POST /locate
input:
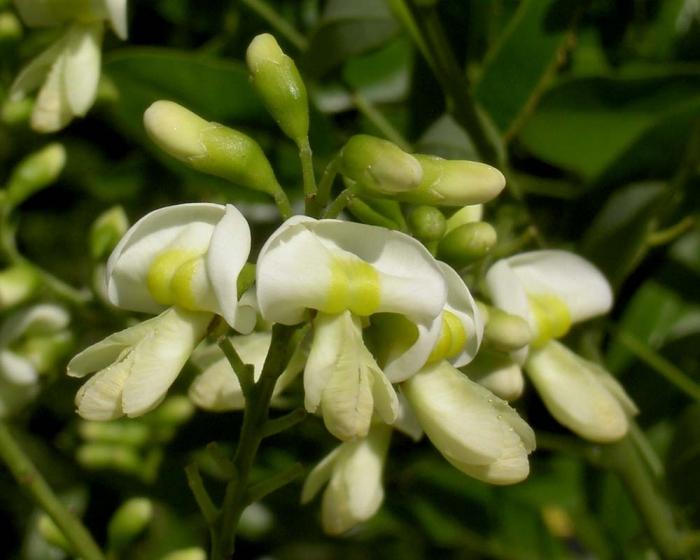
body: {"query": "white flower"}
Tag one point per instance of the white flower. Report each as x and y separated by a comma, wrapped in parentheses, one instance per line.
(580, 394)
(347, 271)
(136, 366)
(477, 432)
(498, 373)
(68, 72)
(19, 374)
(188, 255)
(217, 388)
(353, 471)
(550, 289)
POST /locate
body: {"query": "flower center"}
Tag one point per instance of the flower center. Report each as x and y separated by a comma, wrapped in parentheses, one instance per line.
(354, 286)
(452, 339)
(169, 277)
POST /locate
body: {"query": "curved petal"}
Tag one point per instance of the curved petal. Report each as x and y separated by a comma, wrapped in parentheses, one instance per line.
(228, 252)
(18, 383)
(81, 73)
(41, 319)
(185, 226)
(574, 394)
(51, 109)
(319, 475)
(506, 291)
(576, 281)
(498, 373)
(158, 358)
(402, 360)
(118, 17)
(34, 74)
(100, 397)
(247, 313)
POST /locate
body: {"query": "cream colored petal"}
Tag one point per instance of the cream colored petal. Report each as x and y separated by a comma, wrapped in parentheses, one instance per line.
(247, 313)
(100, 397)
(159, 357)
(40, 319)
(574, 394)
(217, 388)
(82, 67)
(406, 420)
(34, 74)
(18, 383)
(118, 17)
(319, 475)
(51, 109)
(507, 292)
(498, 373)
(403, 361)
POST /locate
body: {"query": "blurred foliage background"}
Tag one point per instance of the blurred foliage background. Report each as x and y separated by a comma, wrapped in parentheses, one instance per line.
(591, 108)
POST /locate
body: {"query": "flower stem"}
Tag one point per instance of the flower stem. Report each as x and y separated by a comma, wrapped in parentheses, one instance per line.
(29, 478)
(341, 201)
(256, 416)
(307, 171)
(325, 185)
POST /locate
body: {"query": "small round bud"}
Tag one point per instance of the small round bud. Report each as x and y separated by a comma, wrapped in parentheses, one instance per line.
(276, 78)
(427, 223)
(17, 284)
(173, 411)
(186, 554)
(129, 521)
(379, 166)
(35, 172)
(52, 534)
(465, 215)
(106, 231)
(506, 332)
(467, 243)
(109, 456)
(10, 27)
(209, 147)
(454, 182)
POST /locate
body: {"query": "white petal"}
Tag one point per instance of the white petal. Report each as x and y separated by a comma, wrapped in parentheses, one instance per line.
(574, 394)
(33, 75)
(461, 303)
(406, 420)
(100, 397)
(118, 17)
(401, 359)
(217, 388)
(498, 373)
(576, 281)
(507, 292)
(82, 67)
(319, 475)
(457, 418)
(51, 109)
(228, 252)
(187, 225)
(247, 313)
(17, 370)
(159, 357)
(39, 319)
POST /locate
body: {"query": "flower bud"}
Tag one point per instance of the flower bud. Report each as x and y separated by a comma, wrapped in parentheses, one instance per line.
(16, 112)
(427, 223)
(126, 433)
(467, 243)
(52, 534)
(109, 456)
(193, 553)
(276, 78)
(45, 352)
(35, 172)
(132, 518)
(379, 166)
(17, 284)
(174, 411)
(465, 215)
(10, 28)
(209, 147)
(454, 182)
(506, 332)
(106, 231)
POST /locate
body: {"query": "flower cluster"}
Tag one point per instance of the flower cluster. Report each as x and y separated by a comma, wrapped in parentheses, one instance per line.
(394, 335)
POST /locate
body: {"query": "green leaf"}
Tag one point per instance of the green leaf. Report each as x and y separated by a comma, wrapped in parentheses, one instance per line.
(683, 464)
(347, 29)
(637, 122)
(524, 59)
(617, 238)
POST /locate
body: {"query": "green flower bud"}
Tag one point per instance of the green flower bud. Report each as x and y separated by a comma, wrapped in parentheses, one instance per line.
(454, 182)
(17, 112)
(506, 332)
(10, 27)
(379, 166)
(467, 243)
(52, 534)
(106, 231)
(465, 215)
(17, 284)
(35, 172)
(117, 431)
(46, 351)
(427, 223)
(186, 554)
(209, 147)
(128, 522)
(174, 411)
(109, 456)
(276, 78)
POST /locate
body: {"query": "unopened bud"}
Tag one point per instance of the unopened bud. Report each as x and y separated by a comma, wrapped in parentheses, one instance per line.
(118, 431)
(427, 223)
(209, 147)
(467, 243)
(186, 554)
(17, 284)
(379, 166)
(16, 112)
(497, 372)
(106, 231)
(276, 78)
(129, 521)
(10, 27)
(52, 534)
(454, 182)
(35, 172)
(465, 215)
(173, 411)
(109, 456)
(506, 332)
(45, 352)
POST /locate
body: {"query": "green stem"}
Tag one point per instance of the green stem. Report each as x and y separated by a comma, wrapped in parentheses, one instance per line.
(258, 491)
(29, 478)
(658, 363)
(623, 459)
(325, 185)
(377, 118)
(201, 496)
(341, 201)
(282, 203)
(665, 236)
(307, 171)
(255, 418)
(243, 371)
(281, 25)
(277, 425)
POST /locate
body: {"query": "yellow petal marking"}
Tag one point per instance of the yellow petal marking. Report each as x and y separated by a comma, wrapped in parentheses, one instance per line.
(354, 286)
(552, 317)
(163, 270)
(452, 339)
